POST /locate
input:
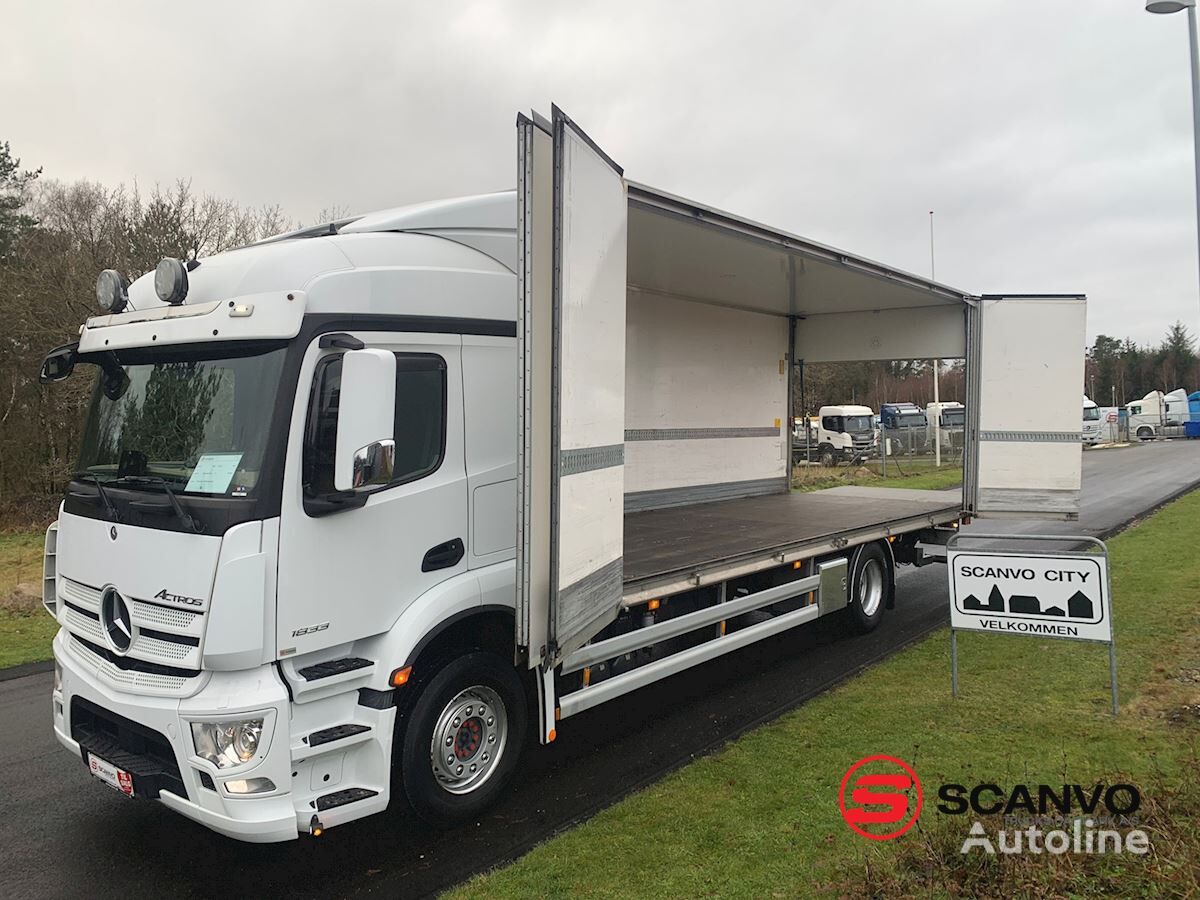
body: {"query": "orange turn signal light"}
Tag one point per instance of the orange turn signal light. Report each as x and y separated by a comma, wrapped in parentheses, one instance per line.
(653, 605)
(400, 677)
(798, 564)
(551, 736)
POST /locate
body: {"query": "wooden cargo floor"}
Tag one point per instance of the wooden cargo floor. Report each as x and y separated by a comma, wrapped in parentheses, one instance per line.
(685, 539)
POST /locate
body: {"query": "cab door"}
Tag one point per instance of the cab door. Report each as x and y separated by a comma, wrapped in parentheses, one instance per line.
(348, 573)
(1024, 374)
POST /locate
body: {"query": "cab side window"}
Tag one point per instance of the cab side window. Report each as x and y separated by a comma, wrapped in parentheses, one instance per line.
(420, 424)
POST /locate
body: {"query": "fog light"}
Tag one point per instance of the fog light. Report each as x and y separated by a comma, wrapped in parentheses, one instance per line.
(171, 281)
(112, 291)
(250, 786)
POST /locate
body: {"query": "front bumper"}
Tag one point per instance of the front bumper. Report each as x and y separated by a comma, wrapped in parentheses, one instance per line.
(154, 734)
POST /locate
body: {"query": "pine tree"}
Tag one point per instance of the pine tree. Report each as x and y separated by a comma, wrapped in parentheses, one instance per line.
(14, 196)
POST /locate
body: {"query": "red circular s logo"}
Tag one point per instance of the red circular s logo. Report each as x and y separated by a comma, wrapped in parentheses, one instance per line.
(880, 796)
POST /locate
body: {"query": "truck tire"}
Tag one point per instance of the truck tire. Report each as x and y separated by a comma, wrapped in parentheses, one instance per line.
(1145, 433)
(870, 584)
(827, 458)
(472, 714)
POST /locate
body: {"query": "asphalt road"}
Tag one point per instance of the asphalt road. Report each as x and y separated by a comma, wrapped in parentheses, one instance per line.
(65, 834)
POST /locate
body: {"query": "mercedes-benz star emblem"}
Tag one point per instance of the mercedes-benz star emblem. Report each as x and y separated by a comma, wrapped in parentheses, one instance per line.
(116, 621)
(112, 532)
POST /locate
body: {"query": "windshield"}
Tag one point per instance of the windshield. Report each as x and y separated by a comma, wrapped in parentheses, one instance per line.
(858, 423)
(911, 420)
(1091, 413)
(954, 416)
(196, 418)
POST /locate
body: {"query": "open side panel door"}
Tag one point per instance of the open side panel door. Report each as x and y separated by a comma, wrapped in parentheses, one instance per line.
(535, 321)
(1025, 372)
(572, 352)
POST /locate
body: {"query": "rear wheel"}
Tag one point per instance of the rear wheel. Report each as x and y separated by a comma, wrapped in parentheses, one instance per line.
(870, 582)
(463, 739)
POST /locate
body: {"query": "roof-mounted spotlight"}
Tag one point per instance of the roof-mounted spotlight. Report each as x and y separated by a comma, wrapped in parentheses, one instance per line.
(171, 281)
(112, 291)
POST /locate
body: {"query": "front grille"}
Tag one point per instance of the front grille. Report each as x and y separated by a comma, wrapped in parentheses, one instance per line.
(143, 752)
(166, 635)
(132, 674)
(154, 614)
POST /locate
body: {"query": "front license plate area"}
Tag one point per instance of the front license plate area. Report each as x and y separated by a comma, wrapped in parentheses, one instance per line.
(115, 778)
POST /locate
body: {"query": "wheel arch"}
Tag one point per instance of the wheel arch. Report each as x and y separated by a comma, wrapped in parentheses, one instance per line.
(890, 557)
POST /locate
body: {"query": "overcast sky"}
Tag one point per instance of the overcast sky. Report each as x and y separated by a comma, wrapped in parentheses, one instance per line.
(1052, 137)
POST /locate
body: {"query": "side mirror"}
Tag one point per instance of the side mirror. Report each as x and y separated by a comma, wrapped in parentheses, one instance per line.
(366, 422)
(59, 364)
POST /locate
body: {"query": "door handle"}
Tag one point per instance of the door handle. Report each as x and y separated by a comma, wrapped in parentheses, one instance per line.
(443, 556)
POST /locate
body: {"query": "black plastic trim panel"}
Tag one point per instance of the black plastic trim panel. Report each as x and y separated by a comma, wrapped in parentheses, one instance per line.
(341, 798)
(336, 733)
(332, 667)
(373, 699)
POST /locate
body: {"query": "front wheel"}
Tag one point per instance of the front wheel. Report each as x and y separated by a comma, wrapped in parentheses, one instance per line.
(870, 582)
(1145, 433)
(463, 739)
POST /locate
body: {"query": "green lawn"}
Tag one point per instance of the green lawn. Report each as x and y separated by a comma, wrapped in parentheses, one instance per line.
(25, 628)
(761, 819)
(923, 477)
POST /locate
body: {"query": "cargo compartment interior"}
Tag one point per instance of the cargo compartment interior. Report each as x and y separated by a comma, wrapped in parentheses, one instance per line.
(717, 307)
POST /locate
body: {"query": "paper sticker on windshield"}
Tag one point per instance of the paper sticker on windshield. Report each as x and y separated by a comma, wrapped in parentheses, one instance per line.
(213, 473)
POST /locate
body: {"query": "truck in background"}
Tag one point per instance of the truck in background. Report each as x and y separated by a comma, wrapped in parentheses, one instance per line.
(905, 428)
(951, 418)
(844, 433)
(1159, 415)
(364, 508)
(1091, 422)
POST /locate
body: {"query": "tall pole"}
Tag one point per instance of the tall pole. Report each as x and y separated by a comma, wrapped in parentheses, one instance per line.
(1195, 67)
(937, 424)
(933, 269)
(1168, 7)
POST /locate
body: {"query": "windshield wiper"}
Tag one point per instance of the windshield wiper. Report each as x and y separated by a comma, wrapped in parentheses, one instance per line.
(100, 492)
(188, 521)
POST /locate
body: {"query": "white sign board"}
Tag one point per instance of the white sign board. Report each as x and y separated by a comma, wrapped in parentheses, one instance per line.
(1040, 594)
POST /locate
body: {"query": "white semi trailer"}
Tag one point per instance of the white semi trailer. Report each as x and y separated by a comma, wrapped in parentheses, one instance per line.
(361, 507)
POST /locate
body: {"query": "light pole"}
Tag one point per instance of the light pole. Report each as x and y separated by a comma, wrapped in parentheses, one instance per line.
(1174, 6)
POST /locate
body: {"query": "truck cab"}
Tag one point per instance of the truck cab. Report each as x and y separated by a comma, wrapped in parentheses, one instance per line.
(844, 433)
(1159, 414)
(950, 418)
(905, 427)
(347, 395)
(1091, 422)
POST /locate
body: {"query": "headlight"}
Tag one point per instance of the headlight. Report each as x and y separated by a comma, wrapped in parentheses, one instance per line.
(227, 744)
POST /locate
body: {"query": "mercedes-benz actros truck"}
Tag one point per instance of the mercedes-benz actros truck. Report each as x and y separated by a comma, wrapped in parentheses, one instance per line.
(363, 509)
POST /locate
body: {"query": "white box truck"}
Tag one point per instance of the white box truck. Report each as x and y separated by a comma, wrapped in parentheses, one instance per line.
(361, 507)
